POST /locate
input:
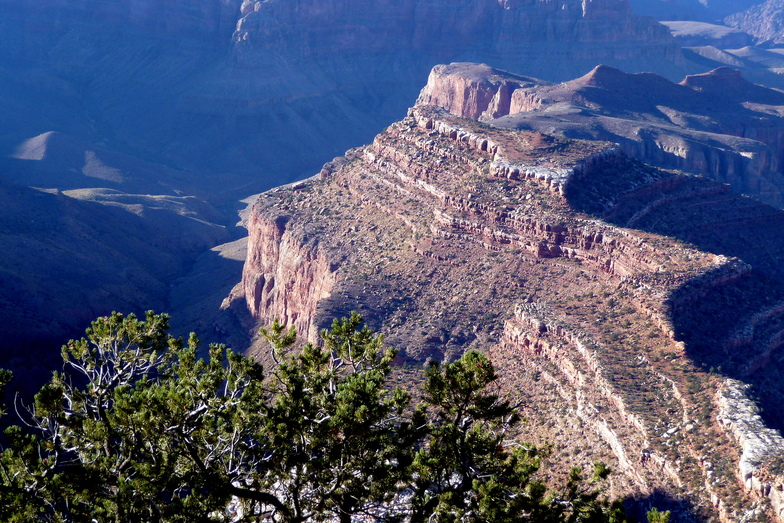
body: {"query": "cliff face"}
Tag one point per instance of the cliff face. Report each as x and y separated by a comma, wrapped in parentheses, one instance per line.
(763, 21)
(515, 32)
(610, 292)
(716, 124)
(285, 275)
(478, 91)
(144, 75)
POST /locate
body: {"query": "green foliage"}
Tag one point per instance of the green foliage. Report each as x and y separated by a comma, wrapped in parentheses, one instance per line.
(138, 428)
(465, 472)
(340, 441)
(471, 469)
(654, 516)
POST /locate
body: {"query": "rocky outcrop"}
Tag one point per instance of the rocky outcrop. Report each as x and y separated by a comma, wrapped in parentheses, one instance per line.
(760, 446)
(473, 90)
(286, 275)
(716, 124)
(763, 21)
(535, 333)
(568, 262)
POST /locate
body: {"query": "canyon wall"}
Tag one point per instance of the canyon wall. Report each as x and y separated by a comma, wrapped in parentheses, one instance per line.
(716, 124)
(285, 275)
(519, 34)
(761, 20)
(214, 100)
(607, 292)
(256, 78)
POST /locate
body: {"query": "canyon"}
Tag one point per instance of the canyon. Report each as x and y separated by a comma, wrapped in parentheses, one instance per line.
(137, 104)
(581, 224)
(206, 86)
(131, 129)
(717, 123)
(630, 309)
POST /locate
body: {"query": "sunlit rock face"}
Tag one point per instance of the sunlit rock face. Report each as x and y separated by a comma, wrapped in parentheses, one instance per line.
(615, 298)
(716, 124)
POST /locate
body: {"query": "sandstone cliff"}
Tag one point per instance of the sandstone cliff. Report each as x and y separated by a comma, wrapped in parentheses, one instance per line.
(601, 287)
(286, 275)
(716, 124)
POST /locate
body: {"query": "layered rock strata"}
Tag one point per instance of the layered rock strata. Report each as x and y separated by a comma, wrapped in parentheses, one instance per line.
(716, 124)
(172, 101)
(759, 444)
(762, 20)
(143, 75)
(518, 34)
(598, 284)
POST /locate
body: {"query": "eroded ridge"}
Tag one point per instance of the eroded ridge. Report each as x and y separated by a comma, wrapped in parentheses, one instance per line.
(566, 261)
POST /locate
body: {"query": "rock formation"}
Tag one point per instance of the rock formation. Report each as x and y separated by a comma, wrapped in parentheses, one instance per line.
(608, 292)
(208, 85)
(716, 124)
(763, 21)
(195, 104)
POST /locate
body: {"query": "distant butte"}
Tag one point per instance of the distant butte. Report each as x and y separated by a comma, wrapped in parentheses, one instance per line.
(716, 124)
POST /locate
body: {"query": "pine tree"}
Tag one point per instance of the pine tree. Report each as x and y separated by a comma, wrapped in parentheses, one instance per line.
(339, 437)
(138, 428)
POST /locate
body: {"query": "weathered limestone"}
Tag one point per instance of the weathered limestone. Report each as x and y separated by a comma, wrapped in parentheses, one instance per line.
(759, 445)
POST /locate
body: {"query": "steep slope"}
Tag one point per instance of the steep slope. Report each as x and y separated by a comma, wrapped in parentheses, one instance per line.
(569, 263)
(212, 86)
(762, 20)
(716, 124)
(71, 256)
